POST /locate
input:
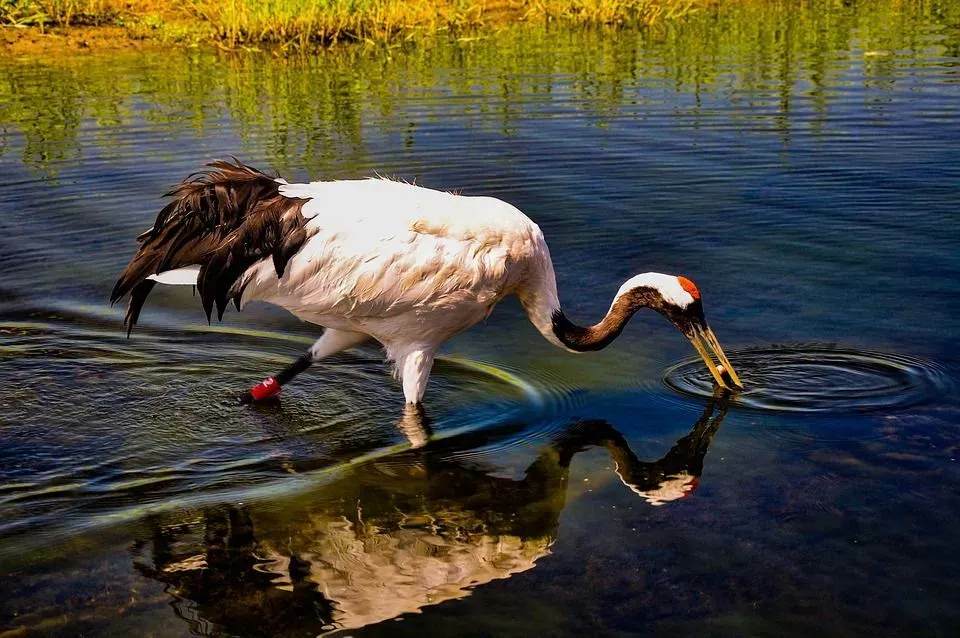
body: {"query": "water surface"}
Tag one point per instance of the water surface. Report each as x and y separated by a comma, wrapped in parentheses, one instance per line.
(798, 162)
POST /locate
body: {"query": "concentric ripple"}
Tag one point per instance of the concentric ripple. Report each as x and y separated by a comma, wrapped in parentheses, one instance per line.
(818, 378)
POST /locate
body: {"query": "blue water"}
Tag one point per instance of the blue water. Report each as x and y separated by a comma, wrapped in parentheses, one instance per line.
(800, 165)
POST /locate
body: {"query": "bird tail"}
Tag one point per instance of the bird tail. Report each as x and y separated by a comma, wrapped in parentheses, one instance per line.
(218, 223)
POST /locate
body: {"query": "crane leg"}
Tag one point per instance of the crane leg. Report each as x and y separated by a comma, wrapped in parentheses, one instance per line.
(332, 342)
(414, 369)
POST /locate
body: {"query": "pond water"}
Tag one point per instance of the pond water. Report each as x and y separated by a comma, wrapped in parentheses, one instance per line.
(799, 162)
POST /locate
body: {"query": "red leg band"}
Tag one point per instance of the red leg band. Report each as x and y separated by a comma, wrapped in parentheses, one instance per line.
(265, 389)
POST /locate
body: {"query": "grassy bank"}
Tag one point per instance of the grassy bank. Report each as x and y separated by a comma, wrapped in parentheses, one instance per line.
(43, 13)
(305, 23)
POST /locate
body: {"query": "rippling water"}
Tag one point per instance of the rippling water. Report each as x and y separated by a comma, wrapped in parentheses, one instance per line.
(814, 378)
(799, 163)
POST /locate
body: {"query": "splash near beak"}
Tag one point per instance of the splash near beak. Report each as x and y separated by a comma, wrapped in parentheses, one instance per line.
(709, 349)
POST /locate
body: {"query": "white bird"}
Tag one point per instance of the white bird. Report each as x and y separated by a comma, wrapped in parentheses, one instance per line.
(374, 258)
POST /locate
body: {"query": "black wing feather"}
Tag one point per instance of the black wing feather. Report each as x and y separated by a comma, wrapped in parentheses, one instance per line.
(225, 220)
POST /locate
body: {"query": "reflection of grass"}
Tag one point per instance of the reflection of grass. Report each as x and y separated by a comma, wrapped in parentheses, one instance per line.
(319, 112)
(300, 23)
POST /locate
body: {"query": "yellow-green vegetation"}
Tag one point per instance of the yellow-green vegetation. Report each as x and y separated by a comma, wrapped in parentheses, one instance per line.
(42, 13)
(303, 23)
(321, 113)
(239, 22)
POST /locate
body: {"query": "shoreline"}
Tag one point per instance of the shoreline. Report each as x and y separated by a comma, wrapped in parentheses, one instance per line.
(238, 25)
(31, 41)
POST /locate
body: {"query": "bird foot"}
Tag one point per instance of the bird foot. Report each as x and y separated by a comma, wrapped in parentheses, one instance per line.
(266, 389)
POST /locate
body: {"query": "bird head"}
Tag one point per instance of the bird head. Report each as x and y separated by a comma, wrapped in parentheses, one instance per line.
(679, 300)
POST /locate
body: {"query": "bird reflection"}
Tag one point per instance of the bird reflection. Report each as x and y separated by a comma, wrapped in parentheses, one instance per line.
(392, 536)
(414, 425)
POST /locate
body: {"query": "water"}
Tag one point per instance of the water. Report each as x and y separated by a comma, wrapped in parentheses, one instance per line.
(814, 378)
(798, 163)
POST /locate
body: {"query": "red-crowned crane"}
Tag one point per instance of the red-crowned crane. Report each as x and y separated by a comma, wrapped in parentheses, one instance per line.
(375, 258)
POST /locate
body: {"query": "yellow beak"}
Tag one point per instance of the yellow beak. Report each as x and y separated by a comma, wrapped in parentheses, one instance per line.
(708, 347)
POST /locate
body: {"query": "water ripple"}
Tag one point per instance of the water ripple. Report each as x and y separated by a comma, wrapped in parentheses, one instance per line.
(161, 404)
(819, 378)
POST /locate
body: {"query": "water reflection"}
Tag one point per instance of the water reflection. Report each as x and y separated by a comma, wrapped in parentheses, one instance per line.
(326, 113)
(393, 536)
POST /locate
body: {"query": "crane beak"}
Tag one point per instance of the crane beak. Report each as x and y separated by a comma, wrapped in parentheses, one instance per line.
(706, 344)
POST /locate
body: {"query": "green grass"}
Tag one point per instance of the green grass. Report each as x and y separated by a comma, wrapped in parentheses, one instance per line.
(301, 22)
(305, 23)
(59, 12)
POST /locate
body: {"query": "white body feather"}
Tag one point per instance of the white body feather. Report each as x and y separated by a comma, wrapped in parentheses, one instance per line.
(409, 266)
(405, 265)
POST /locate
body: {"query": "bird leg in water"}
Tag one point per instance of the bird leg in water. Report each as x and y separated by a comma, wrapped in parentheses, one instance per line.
(270, 387)
(331, 342)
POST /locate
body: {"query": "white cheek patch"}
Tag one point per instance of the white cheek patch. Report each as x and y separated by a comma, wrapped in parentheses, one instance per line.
(674, 293)
(668, 285)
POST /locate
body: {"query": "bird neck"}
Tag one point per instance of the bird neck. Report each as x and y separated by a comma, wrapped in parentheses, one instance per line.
(541, 302)
(599, 335)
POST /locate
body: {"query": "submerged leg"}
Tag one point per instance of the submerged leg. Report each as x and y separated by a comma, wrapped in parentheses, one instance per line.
(414, 425)
(332, 342)
(414, 370)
